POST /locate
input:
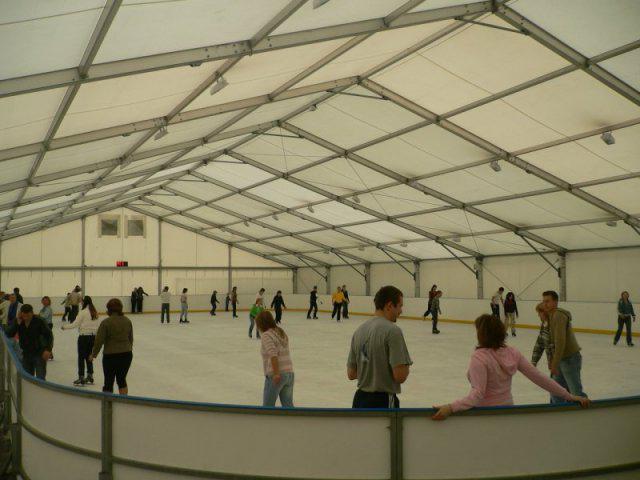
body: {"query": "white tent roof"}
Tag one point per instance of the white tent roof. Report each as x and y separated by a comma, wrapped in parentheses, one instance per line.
(318, 134)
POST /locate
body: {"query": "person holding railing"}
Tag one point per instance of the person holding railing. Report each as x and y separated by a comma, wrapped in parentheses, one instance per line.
(87, 325)
(115, 333)
(36, 341)
(492, 367)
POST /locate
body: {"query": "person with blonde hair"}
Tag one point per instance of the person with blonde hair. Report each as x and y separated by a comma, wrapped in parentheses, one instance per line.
(87, 324)
(276, 362)
(491, 370)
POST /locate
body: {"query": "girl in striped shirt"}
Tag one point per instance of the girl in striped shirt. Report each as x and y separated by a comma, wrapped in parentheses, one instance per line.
(276, 362)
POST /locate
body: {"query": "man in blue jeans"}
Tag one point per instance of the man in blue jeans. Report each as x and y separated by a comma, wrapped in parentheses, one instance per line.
(566, 363)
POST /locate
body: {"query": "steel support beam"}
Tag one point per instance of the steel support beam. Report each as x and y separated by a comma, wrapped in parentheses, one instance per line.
(479, 268)
(541, 255)
(562, 278)
(83, 250)
(413, 275)
(159, 256)
(543, 37)
(327, 277)
(237, 50)
(229, 266)
(294, 280)
(416, 279)
(367, 279)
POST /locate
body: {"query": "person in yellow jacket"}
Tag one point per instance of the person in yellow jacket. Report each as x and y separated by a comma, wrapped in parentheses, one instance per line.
(338, 299)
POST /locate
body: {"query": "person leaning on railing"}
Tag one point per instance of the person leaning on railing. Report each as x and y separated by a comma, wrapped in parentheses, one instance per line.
(36, 341)
(491, 369)
(116, 334)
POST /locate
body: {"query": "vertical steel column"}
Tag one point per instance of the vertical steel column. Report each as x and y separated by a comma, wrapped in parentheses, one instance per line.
(327, 271)
(159, 256)
(229, 276)
(562, 280)
(0, 262)
(395, 432)
(83, 262)
(106, 473)
(479, 279)
(294, 279)
(416, 279)
(367, 279)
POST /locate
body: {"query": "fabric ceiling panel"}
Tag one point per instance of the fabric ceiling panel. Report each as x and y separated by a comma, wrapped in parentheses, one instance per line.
(347, 120)
(129, 99)
(142, 28)
(626, 67)
(235, 173)
(189, 222)
(213, 147)
(172, 201)
(337, 13)
(625, 194)
(263, 73)
(62, 184)
(259, 247)
(332, 239)
(451, 222)
(244, 206)
(82, 155)
(25, 119)
(290, 222)
(589, 26)
(169, 171)
(499, 244)
(254, 231)
(286, 193)
(214, 216)
(16, 169)
(542, 209)
(383, 232)
(399, 200)
(424, 151)
(373, 51)
(597, 235)
(342, 176)
(153, 210)
(426, 250)
(282, 153)
(45, 36)
(198, 188)
(336, 213)
(146, 164)
(293, 244)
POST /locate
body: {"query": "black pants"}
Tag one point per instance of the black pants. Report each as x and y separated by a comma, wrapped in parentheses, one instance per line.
(622, 321)
(495, 309)
(434, 321)
(278, 315)
(364, 399)
(164, 310)
(134, 305)
(337, 307)
(115, 367)
(139, 304)
(67, 310)
(233, 306)
(213, 308)
(226, 305)
(345, 309)
(313, 306)
(35, 365)
(427, 311)
(85, 346)
(73, 313)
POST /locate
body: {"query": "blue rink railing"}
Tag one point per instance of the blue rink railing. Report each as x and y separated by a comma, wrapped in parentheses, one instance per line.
(60, 432)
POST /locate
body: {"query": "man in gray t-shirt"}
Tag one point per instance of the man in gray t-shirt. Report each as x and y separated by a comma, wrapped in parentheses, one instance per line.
(378, 357)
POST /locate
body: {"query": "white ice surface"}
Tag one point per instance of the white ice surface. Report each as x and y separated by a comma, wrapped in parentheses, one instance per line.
(213, 360)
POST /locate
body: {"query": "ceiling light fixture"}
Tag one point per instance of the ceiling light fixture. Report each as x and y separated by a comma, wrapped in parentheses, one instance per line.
(404, 244)
(456, 239)
(275, 217)
(310, 208)
(246, 224)
(313, 108)
(319, 3)
(356, 199)
(495, 166)
(219, 85)
(607, 137)
(163, 132)
(612, 223)
(361, 248)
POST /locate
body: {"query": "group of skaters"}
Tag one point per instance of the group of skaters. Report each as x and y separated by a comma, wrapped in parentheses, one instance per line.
(380, 361)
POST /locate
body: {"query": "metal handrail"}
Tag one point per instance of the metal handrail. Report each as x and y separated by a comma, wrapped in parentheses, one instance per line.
(8, 358)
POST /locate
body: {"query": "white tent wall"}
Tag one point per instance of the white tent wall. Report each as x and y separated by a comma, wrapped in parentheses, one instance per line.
(525, 275)
(345, 275)
(392, 274)
(307, 278)
(450, 276)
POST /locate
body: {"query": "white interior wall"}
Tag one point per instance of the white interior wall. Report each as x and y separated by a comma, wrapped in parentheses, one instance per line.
(600, 276)
(55, 246)
(392, 274)
(450, 276)
(345, 275)
(307, 278)
(250, 281)
(525, 275)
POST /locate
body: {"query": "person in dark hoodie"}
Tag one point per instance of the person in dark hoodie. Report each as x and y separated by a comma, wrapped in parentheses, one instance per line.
(278, 304)
(510, 313)
(36, 341)
(566, 363)
(141, 294)
(214, 302)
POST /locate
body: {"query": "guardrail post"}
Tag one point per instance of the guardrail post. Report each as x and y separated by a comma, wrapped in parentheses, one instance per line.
(107, 440)
(16, 427)
(395, 430)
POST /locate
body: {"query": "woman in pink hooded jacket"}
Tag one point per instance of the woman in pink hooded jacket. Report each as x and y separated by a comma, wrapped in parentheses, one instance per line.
(492, 366)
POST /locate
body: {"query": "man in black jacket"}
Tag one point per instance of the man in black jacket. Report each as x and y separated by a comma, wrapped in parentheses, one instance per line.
(214, 302)
(36, 341)
(345, 304)
(313, 303)
(140, 298)
(278, 304)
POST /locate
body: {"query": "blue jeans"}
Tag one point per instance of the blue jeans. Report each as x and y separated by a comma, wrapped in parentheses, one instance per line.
(252, 323)
(284, 390)
(184, 311)
(569, 376)
(164, 312)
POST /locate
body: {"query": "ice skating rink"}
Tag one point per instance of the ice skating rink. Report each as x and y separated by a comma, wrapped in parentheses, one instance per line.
(213, 360)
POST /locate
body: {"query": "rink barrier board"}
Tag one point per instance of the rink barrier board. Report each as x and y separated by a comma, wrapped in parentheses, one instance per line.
(395, 418)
